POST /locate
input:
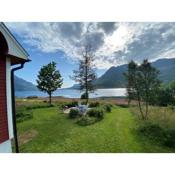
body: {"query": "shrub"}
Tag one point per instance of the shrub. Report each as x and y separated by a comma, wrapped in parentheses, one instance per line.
(70, 104)
(32, 97)
(123, 105)
(74, 113)
(107, 107)
(169, 139)
(171, 107)
(152, 131)
(39, 106)
(83, 103)
(164, 136)
(84, 121)
(22, 116)
(94, 104)
(97, 113)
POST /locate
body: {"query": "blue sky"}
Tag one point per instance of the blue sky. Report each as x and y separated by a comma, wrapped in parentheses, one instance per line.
(39, 58)
(113, 44)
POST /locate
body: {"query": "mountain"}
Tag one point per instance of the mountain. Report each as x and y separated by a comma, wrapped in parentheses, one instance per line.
(113, 77)
(166, 68)
(75, 86)
(23, 85)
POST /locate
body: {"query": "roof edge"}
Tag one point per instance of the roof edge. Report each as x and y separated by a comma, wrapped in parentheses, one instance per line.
(14, 39)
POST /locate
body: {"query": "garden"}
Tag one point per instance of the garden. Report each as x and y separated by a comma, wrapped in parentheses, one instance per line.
(104, 128)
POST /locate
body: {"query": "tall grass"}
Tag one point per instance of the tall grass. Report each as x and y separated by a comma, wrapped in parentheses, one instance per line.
(163, 116)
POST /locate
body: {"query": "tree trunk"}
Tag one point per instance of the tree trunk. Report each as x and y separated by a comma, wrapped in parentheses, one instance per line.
(50, 99)
(129, 101)
(140, 108)
(146, 113)
(87, 98)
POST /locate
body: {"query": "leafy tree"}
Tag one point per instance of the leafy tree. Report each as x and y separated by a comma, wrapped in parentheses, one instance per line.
(172, 85)
(148, 82)
(143, 84)
(49, 79)
(166, 95)
(85, 75)
(130, 76)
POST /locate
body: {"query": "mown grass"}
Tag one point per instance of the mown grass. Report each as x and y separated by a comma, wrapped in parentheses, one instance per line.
(116, 133)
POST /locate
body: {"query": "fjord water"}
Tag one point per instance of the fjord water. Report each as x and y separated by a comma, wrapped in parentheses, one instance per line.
(74, 93)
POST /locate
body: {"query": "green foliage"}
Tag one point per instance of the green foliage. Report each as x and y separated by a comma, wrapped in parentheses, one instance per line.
(142, 84)
(170, 138)
(156, 133)
(23, 115)
(84, 96)
(115, 134)
(85, 75)
(32, 97)
(83, 103)
(96, 112)
(107, 107)
(123, 105)
(74, 113)
(171, 107)
(130, 76)
(94, 104)
(164, 96)
(85, 121)
(152, 131)
(70, 104)
(49, 79)
(38, 106)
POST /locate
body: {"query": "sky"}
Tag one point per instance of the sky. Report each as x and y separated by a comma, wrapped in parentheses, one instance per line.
(113, 44)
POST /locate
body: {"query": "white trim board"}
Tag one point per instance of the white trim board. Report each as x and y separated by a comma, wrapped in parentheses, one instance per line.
(9, 97)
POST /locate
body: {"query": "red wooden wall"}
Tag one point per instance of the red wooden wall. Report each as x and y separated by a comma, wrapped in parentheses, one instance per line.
(3, 102)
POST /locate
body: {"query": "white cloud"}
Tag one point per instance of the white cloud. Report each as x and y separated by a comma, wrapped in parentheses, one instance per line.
(113, 43)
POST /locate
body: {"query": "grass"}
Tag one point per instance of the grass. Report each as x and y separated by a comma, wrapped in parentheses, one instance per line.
(55, 132)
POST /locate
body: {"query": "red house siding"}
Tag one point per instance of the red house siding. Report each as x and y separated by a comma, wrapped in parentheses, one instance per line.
(3, 102)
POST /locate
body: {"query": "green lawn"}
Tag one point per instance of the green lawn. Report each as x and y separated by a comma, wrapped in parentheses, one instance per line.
(54, 132)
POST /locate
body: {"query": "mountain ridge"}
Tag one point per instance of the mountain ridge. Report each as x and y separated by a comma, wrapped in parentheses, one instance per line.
(23, 85)
(114, 78)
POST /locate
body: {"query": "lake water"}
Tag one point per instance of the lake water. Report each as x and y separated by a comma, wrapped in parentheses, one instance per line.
(73, 93)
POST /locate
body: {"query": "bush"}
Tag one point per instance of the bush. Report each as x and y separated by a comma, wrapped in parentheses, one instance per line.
(97, 113)
(107, 107)
(74, 113)
(71, 104)
(171, 107)
(94, 104)
(164, 136)
(32, 97)
(84, 121)
(123, 105)
(152, 131)
(39, 106)
(169, 139)
(22, 116)
(83, 103)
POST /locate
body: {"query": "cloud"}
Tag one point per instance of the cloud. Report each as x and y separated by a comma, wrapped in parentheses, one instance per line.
(107, 27)
(113, 43)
